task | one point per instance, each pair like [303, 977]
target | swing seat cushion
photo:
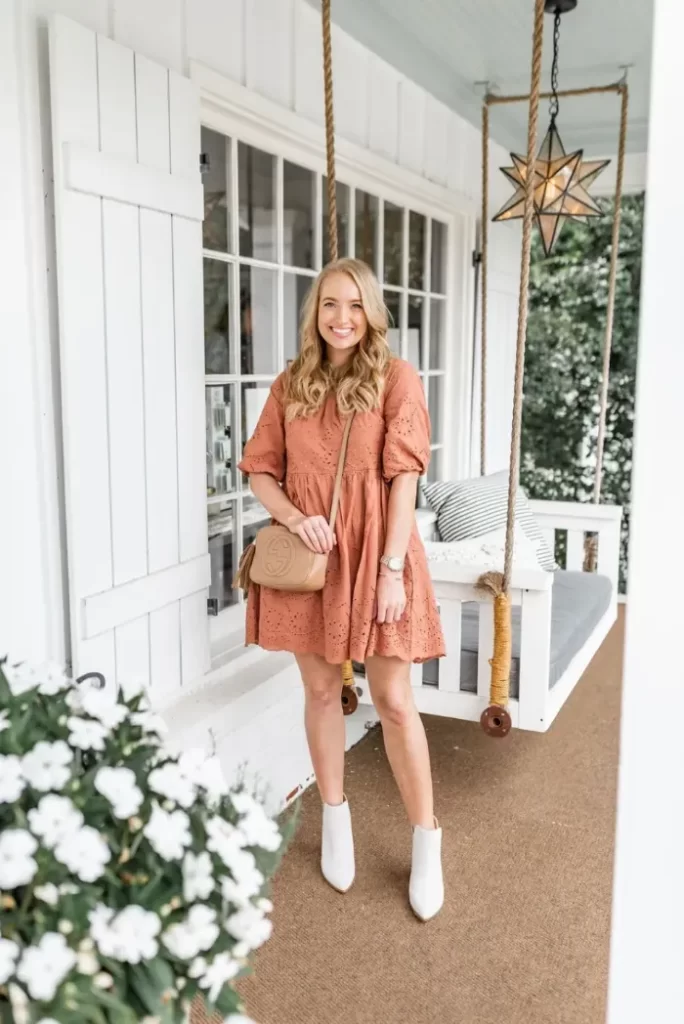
[579, 600]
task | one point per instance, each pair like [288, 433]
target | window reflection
[258, 321]
[367, 228]
[295, 290]
[393, 303]
[417, 233]
[298, 216]
[218, 333]
[256, 187]
[215, 182]
[394, 243]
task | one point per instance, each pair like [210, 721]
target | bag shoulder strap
[340, 470]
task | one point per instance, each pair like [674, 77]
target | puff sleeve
[407, 423]
[265, 450]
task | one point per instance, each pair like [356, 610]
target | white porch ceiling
[449, 45]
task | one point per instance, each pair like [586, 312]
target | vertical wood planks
[73, 78]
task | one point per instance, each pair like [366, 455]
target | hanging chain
[554, 105]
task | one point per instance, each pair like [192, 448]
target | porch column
[648, 913]
[31, 584]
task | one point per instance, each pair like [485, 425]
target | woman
[377, 606]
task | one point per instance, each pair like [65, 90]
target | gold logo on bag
[279, 555]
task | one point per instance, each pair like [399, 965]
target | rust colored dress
[338, 622]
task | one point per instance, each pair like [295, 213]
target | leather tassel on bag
[242, 579]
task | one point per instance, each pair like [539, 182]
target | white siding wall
[273, 48]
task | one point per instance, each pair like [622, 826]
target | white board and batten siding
[129, 207]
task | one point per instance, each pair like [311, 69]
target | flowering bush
[130, 880]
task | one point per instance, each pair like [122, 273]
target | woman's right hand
[314, 531]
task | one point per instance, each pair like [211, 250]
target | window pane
[220, 427]
[436, 407]
[417, 230]
[416, 331]
[224, 556]
[394, 243]
[256, 186]
[367, 229]
[393, 303]
[437, 333]
[342, 193]
[254, 518]
[295, 289]
[258, 321]
[253, 400]
[434, 473]
[298, 215]
[218, 331]
[438, 262]
[215, 181]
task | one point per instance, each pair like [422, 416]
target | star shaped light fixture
[561, 179]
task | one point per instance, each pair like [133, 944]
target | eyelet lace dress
[338, 622]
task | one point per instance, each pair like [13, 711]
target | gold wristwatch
[393, 563]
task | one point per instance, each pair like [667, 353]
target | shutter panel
[129, 206]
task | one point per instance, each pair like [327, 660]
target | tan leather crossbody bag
[280, 559]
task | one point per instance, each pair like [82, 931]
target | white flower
[103, 980]
[247, 880]
[84, 853]
[20, 676]
[48, 1020]
[238, 1018]
[69, 889]
[215, 975]
[4, 720]
[168, 781]
[259, 829]
[101, 705]
[48, 893]
[55, 818]
[168, 833]
[198, 933]
[11, 781]
[150, 722]
[17, 866]
[20, 1004]
[249, 925]
[224, 839]
[85, 734]
[44, 967]
[205, 772]
[118, 785]
[87, 963]
[198, 880]
[9, 954]
[48, 765]
[52, 680]
[130, 936]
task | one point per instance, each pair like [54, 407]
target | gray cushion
[578, 602]
[471, 508]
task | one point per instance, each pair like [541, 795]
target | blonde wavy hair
[358, 386]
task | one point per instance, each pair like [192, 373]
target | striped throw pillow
[471, 508]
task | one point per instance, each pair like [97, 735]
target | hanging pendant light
[561, 179]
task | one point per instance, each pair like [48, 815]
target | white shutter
[128, 195]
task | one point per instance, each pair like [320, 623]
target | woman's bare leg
[324, 722]
[404, 735]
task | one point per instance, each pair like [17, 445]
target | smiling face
[342, 322]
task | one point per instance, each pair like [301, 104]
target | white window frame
[243, 116]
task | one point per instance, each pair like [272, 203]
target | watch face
[395, 564]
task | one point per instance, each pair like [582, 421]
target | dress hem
[419, 660]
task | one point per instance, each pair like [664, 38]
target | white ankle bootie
[337, 848]
[426, 888]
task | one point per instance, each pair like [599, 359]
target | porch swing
[515, 668]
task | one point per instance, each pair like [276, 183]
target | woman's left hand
[390, 597]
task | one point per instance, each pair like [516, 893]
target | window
[265, 238]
